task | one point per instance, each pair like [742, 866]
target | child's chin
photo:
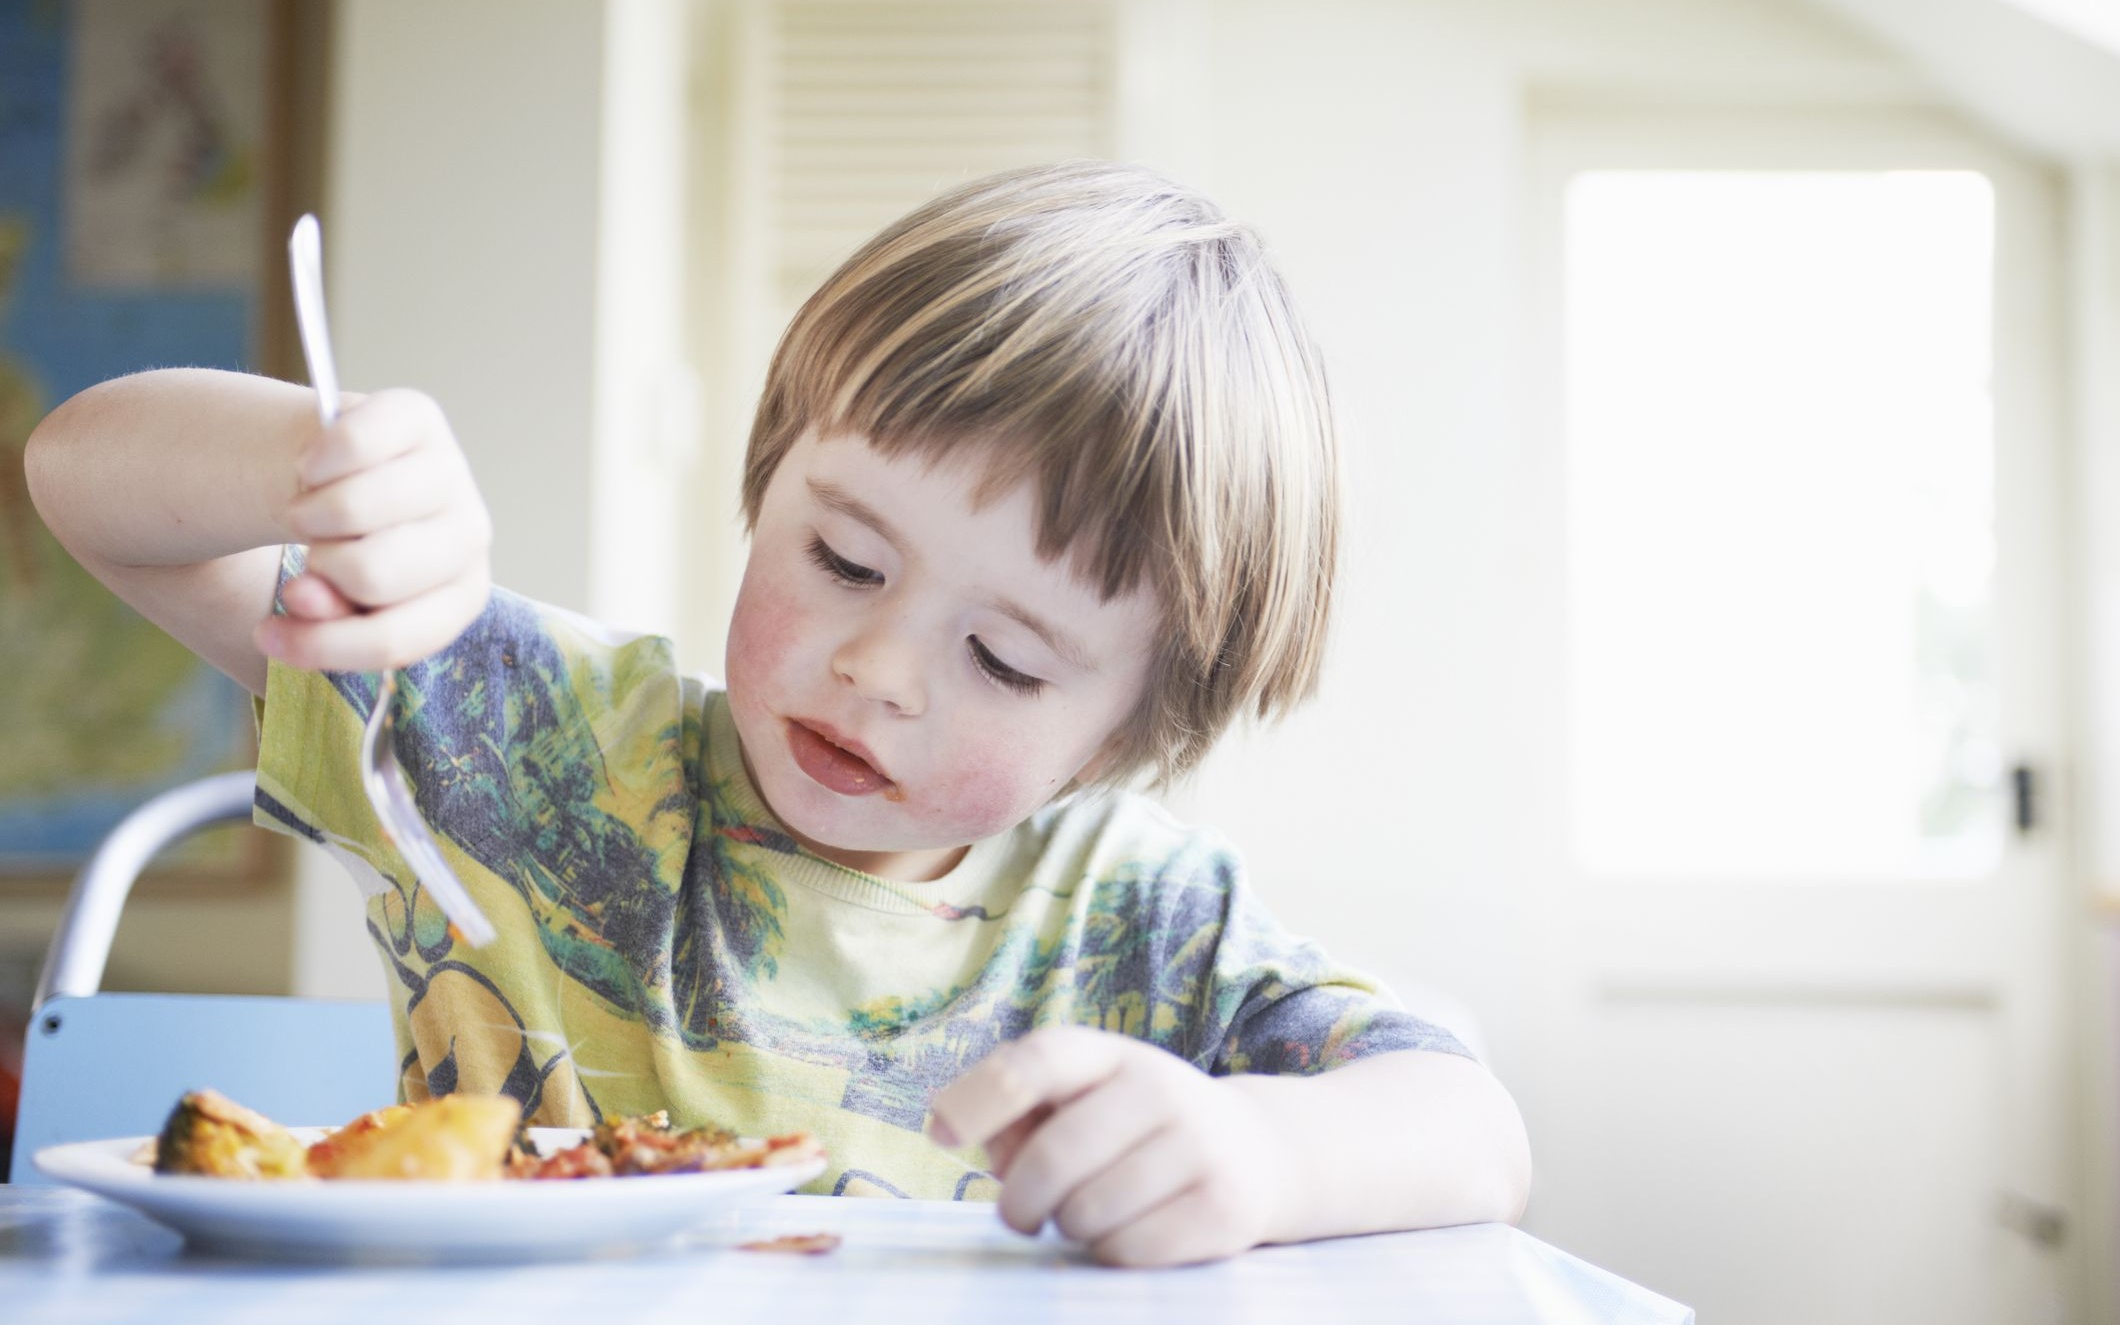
[823, 815]
[867, 824]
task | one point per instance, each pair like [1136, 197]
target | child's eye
[839, 568]
[1000, 672]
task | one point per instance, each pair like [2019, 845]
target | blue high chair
[102, 1065]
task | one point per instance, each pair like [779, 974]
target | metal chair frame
[99, 1065]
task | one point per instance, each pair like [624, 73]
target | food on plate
[795, 1244]
[324, 1155]
[450, 1138]
[213, 1136]
[576, 1161]
[648, 1144]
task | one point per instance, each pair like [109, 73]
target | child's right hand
[399, 541]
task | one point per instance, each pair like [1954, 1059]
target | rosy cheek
[983, 791]
[764, 631]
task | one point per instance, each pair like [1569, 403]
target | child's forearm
[169, 468]
[175, 489]
[1402, 1140]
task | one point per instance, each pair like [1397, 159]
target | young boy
[1041, 498]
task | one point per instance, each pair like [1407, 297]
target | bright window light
[1781, 525]
[2093, 20]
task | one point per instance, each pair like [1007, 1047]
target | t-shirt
[665, 944]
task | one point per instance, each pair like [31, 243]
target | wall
[2093, 249]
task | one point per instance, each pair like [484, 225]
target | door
[1797, 1025]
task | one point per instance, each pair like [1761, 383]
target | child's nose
[883, 666]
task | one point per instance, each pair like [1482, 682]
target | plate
[400, 1222]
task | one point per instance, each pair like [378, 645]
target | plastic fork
[381, 776]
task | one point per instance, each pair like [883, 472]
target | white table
[67, 1256]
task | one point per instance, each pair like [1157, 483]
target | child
[1041, 498]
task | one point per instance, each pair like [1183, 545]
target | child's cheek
[764, 632]
[981, 794]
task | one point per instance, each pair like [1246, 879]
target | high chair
[100, 1065]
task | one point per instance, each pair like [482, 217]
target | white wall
[646, 424]
[2093, 255]
[461, 246]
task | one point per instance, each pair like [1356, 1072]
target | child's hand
[399, 541]
[1127, 1148]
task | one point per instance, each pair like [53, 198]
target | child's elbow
[1515, 1194]
[1507, 1189]
[36, 455]
[44, 452]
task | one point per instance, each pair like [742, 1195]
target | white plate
[348, 1220]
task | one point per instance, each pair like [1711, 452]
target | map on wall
[149, 115]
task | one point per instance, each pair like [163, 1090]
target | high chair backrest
[102, 1065]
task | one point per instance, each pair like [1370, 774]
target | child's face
[906, 674]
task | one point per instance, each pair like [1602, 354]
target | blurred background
[1724, 711]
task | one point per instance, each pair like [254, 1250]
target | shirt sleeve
[453, 714]
[309, 741]
[550, 756]
[1273, 1003]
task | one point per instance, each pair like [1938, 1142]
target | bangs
[1111, 340]
[1036, 394]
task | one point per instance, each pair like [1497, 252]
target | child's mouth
[834, 766]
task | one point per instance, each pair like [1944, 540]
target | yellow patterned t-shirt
[664, 944]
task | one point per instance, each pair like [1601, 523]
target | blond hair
[1114, 337]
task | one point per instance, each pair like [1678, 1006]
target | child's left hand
[1127, 1148]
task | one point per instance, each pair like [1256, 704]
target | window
[1779, 441]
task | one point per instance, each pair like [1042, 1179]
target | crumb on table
[795, 1244]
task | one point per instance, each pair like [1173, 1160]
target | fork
[381, 776]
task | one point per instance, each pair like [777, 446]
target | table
[68, 1256]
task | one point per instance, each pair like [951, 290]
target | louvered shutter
[875, 107]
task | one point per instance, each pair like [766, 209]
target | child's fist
[1125, 1147]
[399, 541]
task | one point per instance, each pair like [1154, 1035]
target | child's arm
[1153, 1162]
[176, 488]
